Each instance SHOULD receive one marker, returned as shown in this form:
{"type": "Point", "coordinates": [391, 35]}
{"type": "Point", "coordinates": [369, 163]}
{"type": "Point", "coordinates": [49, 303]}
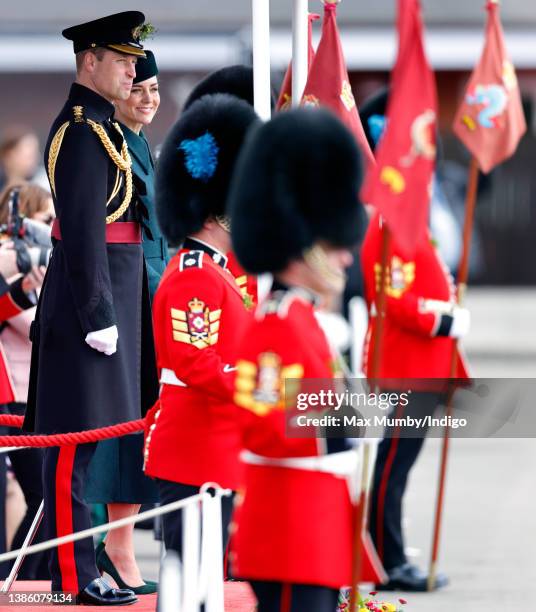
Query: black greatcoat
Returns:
{"type": "Point", "coordinates": [90, 285]}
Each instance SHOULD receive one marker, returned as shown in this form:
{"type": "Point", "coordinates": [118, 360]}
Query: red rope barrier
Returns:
{"type": "Point", "coordinates": [65, 439]}
{"type": "Point", "coordinates": [11, 420]}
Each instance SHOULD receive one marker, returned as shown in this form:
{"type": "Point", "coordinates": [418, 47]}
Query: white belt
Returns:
{"type": "Point", "coordinates": [168, 377]}
{"type": "Point", "coordinates": [342, 464]}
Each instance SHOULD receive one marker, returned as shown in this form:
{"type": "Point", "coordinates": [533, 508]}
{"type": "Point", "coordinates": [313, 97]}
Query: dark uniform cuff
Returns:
{"type": "Point", "coordinates": [445, 325]}
{"type": "Point", "coordinates": [22, 300]}
{"type": "Point", "coordinates": [99, 317]}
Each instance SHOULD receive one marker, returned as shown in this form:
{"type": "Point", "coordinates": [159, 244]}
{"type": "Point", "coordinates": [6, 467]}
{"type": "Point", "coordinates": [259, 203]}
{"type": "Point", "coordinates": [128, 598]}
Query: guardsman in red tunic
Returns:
{"type": "Point", "coordinates": [192, 434]}
{"type": "Point", "coordinates": [420, 325]}
{"type": "Point", "coordinates": [295, 214]}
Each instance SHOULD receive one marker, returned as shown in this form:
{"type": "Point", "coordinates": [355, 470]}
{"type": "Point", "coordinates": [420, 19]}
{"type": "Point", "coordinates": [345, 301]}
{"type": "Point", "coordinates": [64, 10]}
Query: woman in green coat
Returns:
{"type": "Point", "coordinates": [115, 476]}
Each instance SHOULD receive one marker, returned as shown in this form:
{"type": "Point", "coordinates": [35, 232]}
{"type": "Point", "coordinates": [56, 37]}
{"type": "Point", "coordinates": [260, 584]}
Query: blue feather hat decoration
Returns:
{"type": "Point", "coordinates": [200, 156]}
{"type": "Point", "coordinates": [197, 162]}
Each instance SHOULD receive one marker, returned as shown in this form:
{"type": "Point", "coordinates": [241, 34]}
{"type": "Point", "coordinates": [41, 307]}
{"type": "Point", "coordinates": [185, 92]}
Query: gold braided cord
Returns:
{"type": "Point", "coordinates": [121, 160]}
{"type": "Point", "coordinates": [53, 153]}
{"type": "Point", "coordinates": [126, 200]}
{"type": "Point", "coordinates": [117, 186]}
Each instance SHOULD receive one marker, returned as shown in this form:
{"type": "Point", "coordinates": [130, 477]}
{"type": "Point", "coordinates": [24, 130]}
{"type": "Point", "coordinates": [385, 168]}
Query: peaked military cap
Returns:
{"type": "Point", "coordinates": [146, 67]}
{"type": "Point", "coordinates": [296, 183]}
{"type": "Point", "coordinates": [196, 163]}
{"type": "Point", "coordinates": [119, 32]}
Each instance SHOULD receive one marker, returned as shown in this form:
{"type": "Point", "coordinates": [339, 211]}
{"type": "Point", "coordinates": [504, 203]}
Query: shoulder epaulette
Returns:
{"type": "Point", "coordinates": [191, 259]}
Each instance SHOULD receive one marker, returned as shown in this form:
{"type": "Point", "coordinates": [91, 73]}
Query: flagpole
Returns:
{"type": "Point", "coordinates": [300, 45]}
{"type": "Point", "coordinates": [360, 515]}
{"type": "Point", "coordinates": [260, 15]}
{"type": "Point", "coordinates": [463, 274]}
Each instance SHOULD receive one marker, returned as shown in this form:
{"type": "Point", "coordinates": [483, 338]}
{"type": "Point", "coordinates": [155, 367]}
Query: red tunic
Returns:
{"type": "Point", "coordinates": [293, 523]}
{"type": "Point", "coordinates": [192, 433]}
{"type": "Point", "coordinates": [13, 300]}
{"type": "Point", "coordinates": [417, 292]}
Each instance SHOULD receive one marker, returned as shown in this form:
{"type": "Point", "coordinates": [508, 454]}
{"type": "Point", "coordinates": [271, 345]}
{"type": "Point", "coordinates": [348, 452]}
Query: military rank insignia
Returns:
{"type": "Point", "coordinates": [198, 326]}
{"type": "Point", "coordinates": [399, 277]}
{"type": "Point", "coordinates": [266, 385]}
{"type": "Point", "coordinates": [191, 259]}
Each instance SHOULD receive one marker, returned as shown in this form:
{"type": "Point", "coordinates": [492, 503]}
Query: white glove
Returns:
{"type": "Point", "coordinates": [104, 340]}
{"type": "Point", "coordinates": [461, 322]}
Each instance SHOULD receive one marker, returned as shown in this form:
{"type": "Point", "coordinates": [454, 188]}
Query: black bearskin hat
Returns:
{"type": "Point", "coordinates": [296, 183]}
{"type": "Point", "coordinates": [234, 80]}
{"type": "Point", "coordinates": [197, 160]}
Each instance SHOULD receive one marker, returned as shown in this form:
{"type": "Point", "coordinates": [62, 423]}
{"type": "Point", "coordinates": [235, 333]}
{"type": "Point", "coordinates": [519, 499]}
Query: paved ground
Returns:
{"type": "Point", "coordinates": [490, 518]}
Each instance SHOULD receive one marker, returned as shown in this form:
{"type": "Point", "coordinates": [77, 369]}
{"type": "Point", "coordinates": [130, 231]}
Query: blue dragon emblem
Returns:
{"type": "Point", "coordinates": [494, 100]}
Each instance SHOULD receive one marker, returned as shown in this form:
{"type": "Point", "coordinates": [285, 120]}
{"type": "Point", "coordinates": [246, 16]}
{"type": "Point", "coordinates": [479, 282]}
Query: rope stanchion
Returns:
{"type": "Point", "coordinates": [65, 439]}
{"type": "Point", "coordinates": [85, 533]}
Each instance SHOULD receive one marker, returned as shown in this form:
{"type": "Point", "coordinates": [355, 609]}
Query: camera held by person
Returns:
{"type": "Point", "coordinates": [30, 238]}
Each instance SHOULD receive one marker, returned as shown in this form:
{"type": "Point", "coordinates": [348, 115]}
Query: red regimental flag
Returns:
{"type": "Point", "coordinates": [490, 120]}
{"type": "Point", "coordinates": [284, 101]}
{"type": "Point", "coordinates": [400, 183]}
{"type": "Point", "coordinates": [328, 83]}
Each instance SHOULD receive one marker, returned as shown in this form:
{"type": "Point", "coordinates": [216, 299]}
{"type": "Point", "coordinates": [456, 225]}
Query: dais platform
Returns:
{"type": "Point", "coordinates": [238, 598]}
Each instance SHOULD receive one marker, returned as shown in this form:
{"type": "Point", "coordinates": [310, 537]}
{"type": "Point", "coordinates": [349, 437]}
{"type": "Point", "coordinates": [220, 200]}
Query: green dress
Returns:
{"type": "Point", "coordinates": [115, 473]}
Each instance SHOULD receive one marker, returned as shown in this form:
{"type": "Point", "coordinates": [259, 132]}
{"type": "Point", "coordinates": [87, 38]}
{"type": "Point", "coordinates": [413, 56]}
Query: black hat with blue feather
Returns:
{"type": "Point", "coordinates": [197, 162]}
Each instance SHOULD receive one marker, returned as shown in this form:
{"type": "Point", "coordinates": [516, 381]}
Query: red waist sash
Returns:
{"type": "Point", "coordinates": [126, 232]}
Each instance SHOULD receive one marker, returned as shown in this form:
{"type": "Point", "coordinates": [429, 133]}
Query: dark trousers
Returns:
{"type": "Point", "coordinates": [396, 457]}
{"type": "Point", "coordinates": [72, 566]}
{"type": "Point", "coordinates": [27, 465]}
{"type": "Point", "coordinates": [172, 521]}
{"type": "Point", "coordinates": [286, 597]}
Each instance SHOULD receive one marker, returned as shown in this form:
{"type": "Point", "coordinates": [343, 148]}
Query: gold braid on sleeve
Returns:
{"type": "Point", "coordinates": [53, 153]}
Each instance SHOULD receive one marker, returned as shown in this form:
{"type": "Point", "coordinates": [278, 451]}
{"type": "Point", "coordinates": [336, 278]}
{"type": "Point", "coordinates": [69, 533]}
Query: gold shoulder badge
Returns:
{"type": "Point", "coordinates": [78, 112]}
{"type": "Point", "coordinates": [198, 326]}
{"type": "Point", "coordinates": [399, 278]}
{"type": "Point", "coordinates": [266, 385]}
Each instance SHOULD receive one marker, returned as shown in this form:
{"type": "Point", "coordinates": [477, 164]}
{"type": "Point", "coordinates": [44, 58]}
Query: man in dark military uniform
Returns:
{"type": "Point", "coordinates": [92, 336]}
